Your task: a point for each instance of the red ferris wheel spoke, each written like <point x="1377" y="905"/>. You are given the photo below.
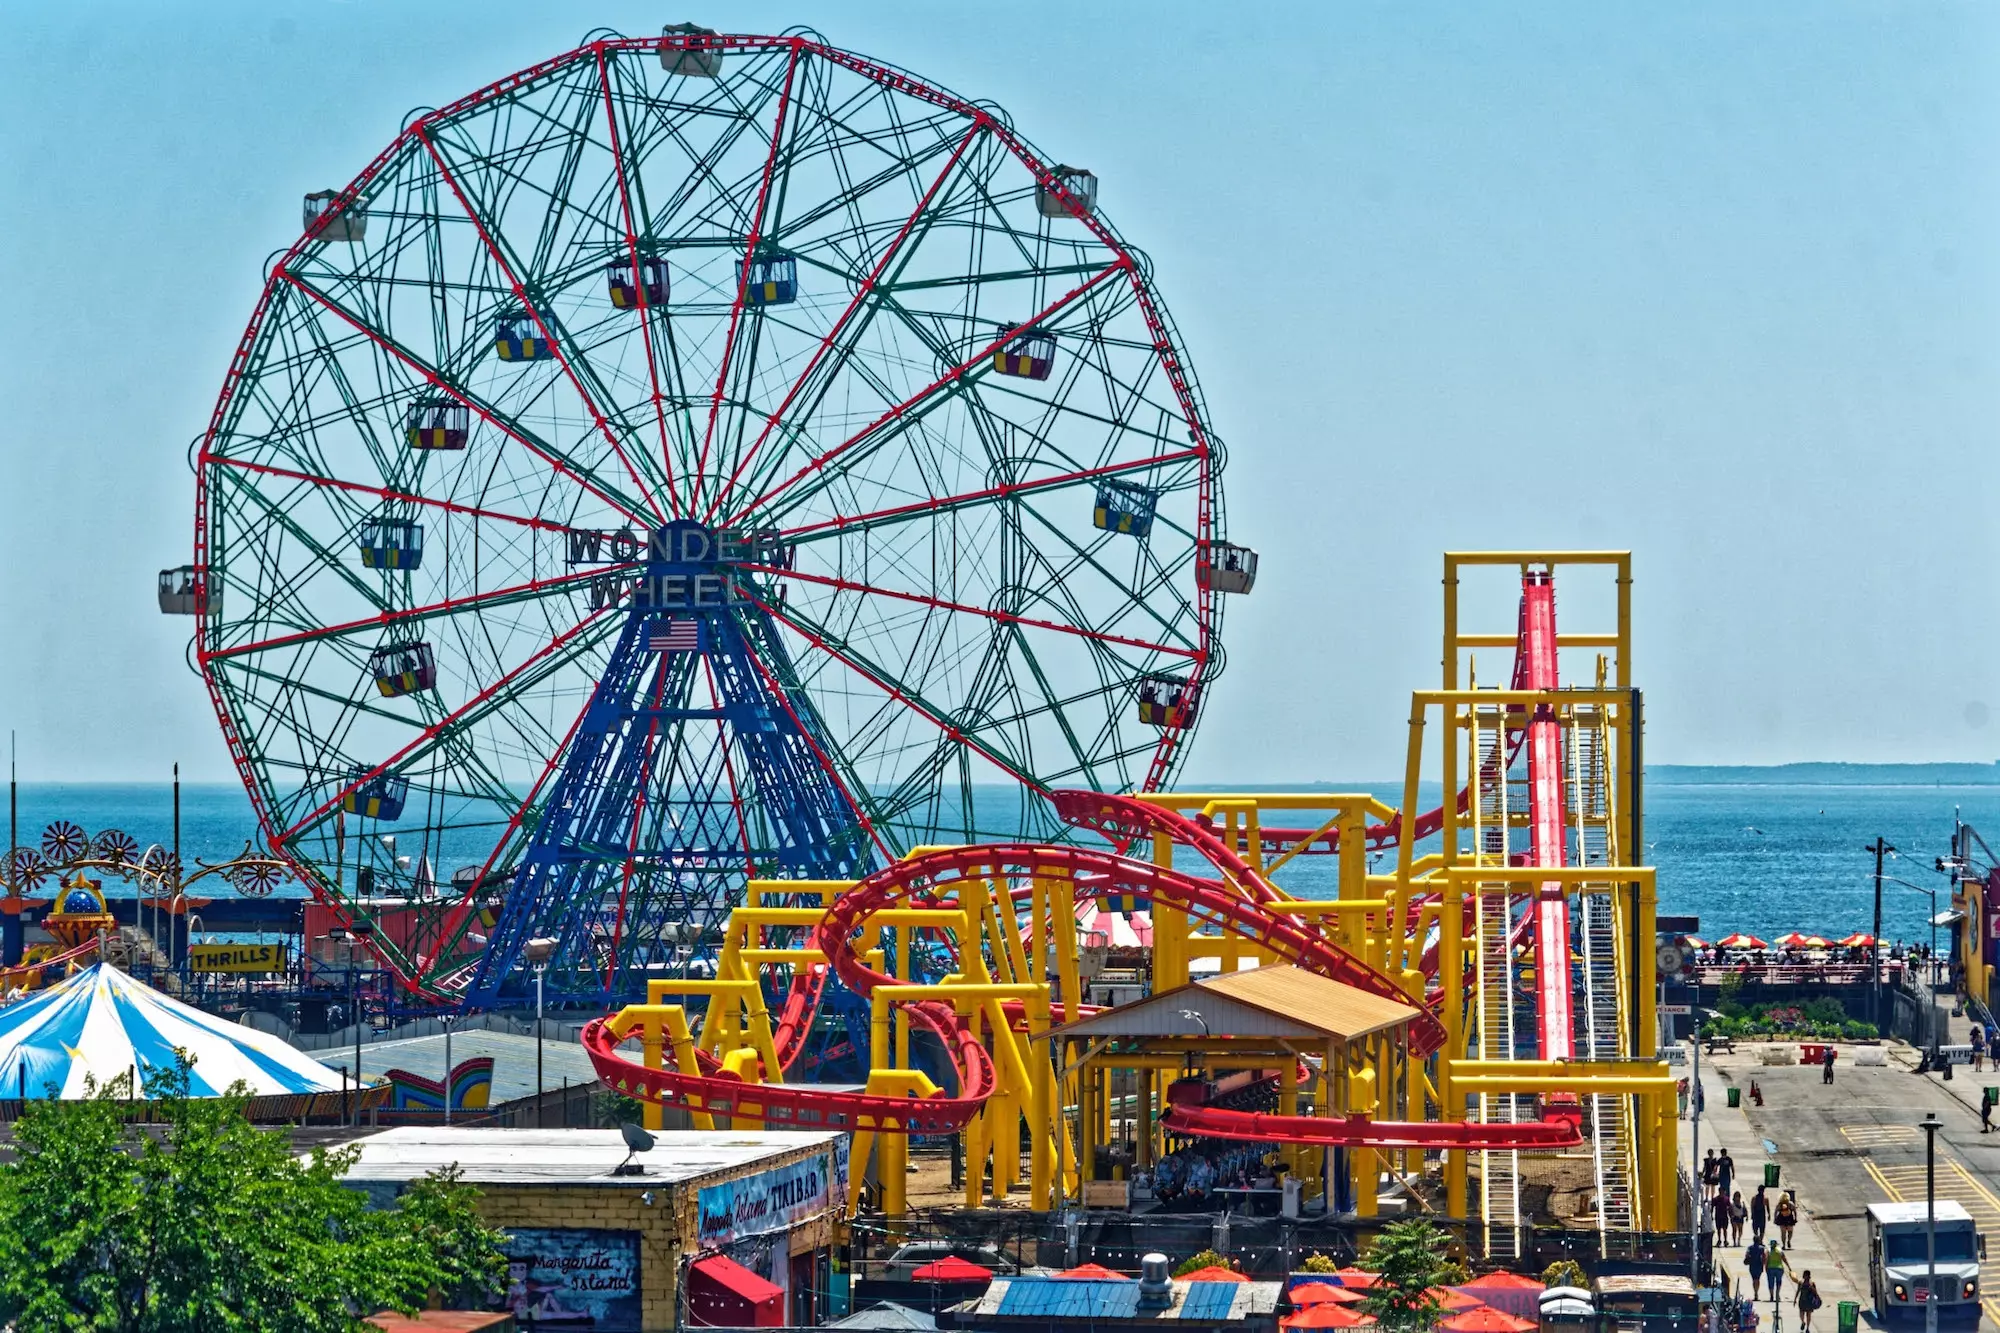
<point x="946" y="503"/>
<point x="909" y="406"/>
<point x="436" y="380"/>
<point x="743" y="273"/>
<point x="940" y="603"/>
<point x="478" y="601"/>
<point x="445" y="723"/>
<point x="632" y="250"/>
<point x="831" y="769"/>
<point x="897" y="693"/>
<point x="388" y="493"/>
<point x="534" y="313"/>
<point x="866" y="290"/>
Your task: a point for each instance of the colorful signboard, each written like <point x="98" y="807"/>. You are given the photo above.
<point x="573" y="1278"/>
<point x="236" y="957"/>
<point x="771" y="1200"/>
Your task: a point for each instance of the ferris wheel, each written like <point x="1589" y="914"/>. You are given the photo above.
<point x="691" y="458"/>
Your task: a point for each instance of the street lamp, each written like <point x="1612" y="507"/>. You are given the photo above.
<point x="1931" y="1128"/>
<point x="537" y="952"/>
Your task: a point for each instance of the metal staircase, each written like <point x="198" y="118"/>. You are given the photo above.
<point x="1600" y="1033"/>
<point x="1492" y="814"/>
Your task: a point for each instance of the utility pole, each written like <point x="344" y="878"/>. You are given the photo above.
<point x="1881" y="849"/>
<point x="1931" y="1128"/>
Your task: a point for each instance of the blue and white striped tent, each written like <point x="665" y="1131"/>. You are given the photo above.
<point x="101" y="1023"/>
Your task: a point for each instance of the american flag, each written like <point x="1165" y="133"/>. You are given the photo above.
<point x="674" y="636"/>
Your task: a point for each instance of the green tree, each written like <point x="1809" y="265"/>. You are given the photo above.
<point x="1204" y="1259"/>
<point x="214" y="1224"/>
<point x="1411" y="1258"/>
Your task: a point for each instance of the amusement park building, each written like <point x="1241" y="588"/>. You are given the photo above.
<point x="727" y="1228"/>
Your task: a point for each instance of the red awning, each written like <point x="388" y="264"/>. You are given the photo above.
<point x="951" y="1268"/>
<point x="726" y="1272"/>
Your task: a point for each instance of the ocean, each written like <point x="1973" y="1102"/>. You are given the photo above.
<point x="1761" y="857"/>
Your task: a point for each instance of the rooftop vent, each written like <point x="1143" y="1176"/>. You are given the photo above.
<point x="1156" y="1289"/>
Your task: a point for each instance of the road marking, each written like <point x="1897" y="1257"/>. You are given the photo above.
<point x="1904" y="1183"/>
<point x="1879" y="1136"/>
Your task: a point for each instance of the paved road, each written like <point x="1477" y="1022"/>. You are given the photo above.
<point x="1850" y="1145"/>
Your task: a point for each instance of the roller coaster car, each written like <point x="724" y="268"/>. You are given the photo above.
<point x="1226" y="568"/>
<point x="380" y="797"/>
<point x="349" y="224"/>
<point x="691" y="57"/>
<point x="1028" y="355"/>
<point x="652" y="274"/>
<point x="516" y="337"/>
<point x="403" y="668"/>
<point x="1123" y="507"/>
<point x="391" y="543"/>
<point x="1167" y="703"/>
<point x="438" y="423"/>
<point x="774" y="280"/>
<point x="181" y="592"/>
<point x="1078" y="183"/>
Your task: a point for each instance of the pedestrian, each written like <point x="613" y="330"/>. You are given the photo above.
<point x="1760" y="1214"/>
<point x="1787" y="1217"/>
<point x="1725" y="1172"/>
<point x="1774" y="1270"/>
<point x="1753" y="1264"/>
<point x="1707" y="1230"/>
<point x="1737" y="1213"/>
<point x="1978" y="1049"/>
<point x="1826" y="1065"/>
<point x="1808" y="1298"/>
<point x="1986" y="1112"/>
<point x="1709" y="1167"/>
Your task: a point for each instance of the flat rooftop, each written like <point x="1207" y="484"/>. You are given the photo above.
<point x="582" y="1157"/>
<point x="513" y="1060"/>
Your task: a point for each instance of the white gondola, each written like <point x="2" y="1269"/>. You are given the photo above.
<point x="349" y="224"/>
<point x="1226" y="568"/>
<point x="180" y="593"/>
<point x="692" y="59"/>
<point x="1078" y="183"/>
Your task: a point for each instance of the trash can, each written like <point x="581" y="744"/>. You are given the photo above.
<point x="1770" y="1175"/>
<point x="1993" y="1096"/>
<point x="1736" y="1096"/>
<point x="1850" y="1316"/>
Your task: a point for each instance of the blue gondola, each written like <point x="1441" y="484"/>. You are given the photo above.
<point x="1028" y="355"/>
<point x="391" y="543"/>
<point x="438" y="423"/>
<point x="1123" y="507"/>
<point x="625" y="294"/>
<point x="774" y="280"/>
<point x="1166" y="702"/>
<point x="403" y="668"/>
<point x="380" y="797"/>
<point x="516" y="337"/>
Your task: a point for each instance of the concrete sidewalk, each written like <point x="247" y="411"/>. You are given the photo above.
<point x="1726" y="1128"/>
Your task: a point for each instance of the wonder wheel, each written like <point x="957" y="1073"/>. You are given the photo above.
<point x="692" y="457"/>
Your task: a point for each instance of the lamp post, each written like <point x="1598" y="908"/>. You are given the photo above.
<point x="1881" y="849"/>
<point x="537" y="952"/>
<point x="1931" y="1128"/>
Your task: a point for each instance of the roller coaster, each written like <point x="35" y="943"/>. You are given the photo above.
<point x="1528" y="969"/>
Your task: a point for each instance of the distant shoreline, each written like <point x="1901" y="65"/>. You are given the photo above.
<point x="1824" y="775"/>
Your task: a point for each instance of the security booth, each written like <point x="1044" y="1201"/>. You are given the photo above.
<point x="728" y="1228"/>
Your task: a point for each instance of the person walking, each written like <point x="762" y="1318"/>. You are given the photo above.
<point x="1760" y="1214"/>
<point x="1725" y="1172"/>
<point x="1826" y="1065"/>
<point x="1787" y="1217"/>
<point x="1737" y="1213"/>
<point x="1709" y="1167"/>
<point x="1774" y="1270"/>
<point x="1753" y="1264"/>
<point x="1985" y="1114"/>
<point x="1978" y="1049"/>
<point x="1808" y="1299"/>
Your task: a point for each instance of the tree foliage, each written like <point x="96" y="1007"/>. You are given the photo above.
<point x="1204" y="1259"/>
<point x="1411" y="1259"/>
<point x="213" y="1224"/>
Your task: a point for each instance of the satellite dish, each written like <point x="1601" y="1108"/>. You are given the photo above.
<point x="638" y="1140"/>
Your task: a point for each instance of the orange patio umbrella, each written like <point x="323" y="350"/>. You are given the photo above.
<point x="1097" y="1272"/>
<point x="1503" y="1281"/>
<point x="1324" y="1293"/>
<point x="951" y="1268"/>
<point x="1359" y="1278"/>
<point x="1454" y="1301"/>
<point x="1486" y="1319"/>
<point x="1326" y="1316"/>
<point x="1214" y="1273"/>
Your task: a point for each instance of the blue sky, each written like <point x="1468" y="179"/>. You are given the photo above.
<point x="1713" y="282"/>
